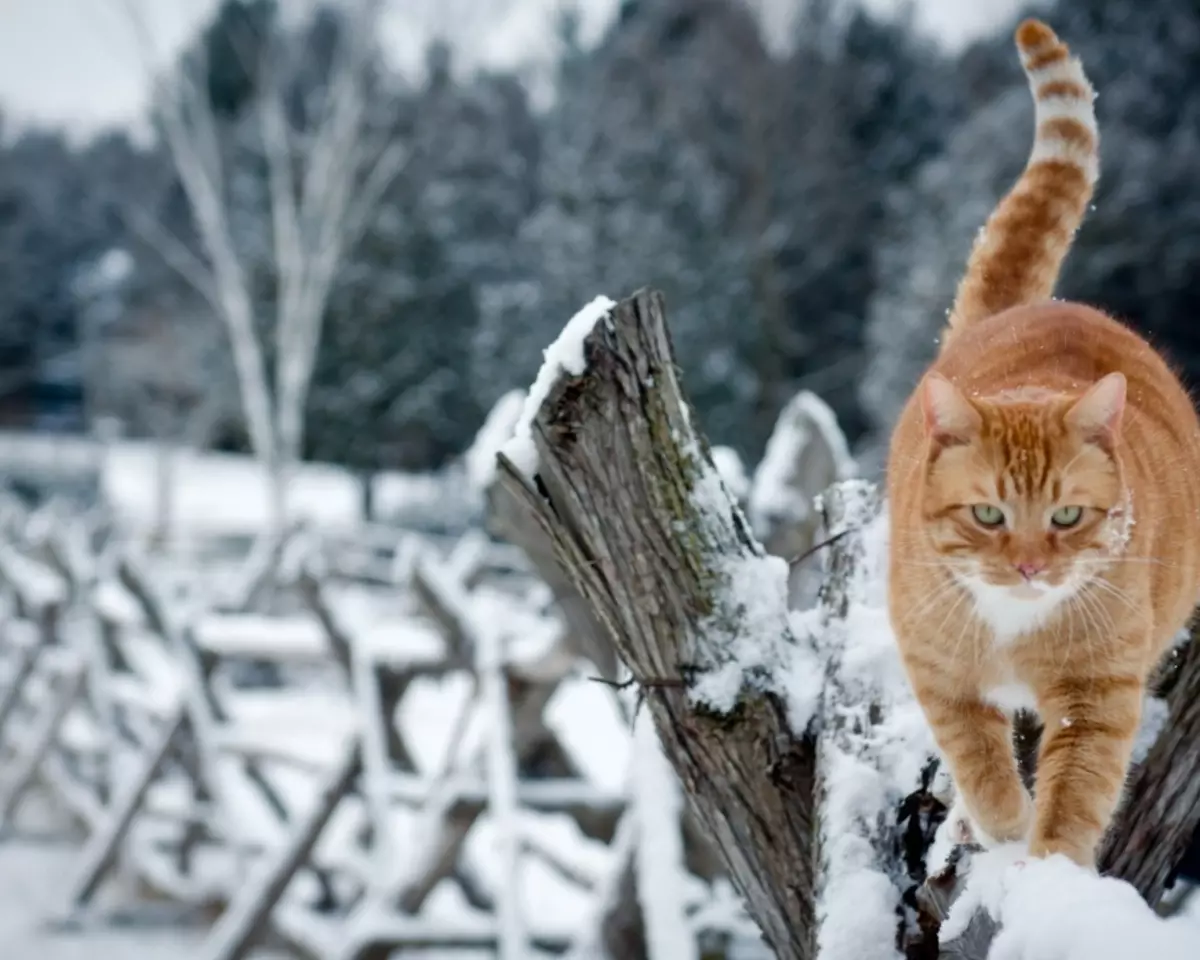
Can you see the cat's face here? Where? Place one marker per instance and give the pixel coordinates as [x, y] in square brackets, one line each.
[1023, 494]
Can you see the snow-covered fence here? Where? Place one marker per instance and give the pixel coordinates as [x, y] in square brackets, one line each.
[315, 811]
[796, 738]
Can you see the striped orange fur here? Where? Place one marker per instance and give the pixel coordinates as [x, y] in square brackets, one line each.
[1044, 503]
[1017, 256]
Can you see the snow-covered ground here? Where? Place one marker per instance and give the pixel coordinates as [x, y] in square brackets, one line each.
[214, 494]
[32, 875]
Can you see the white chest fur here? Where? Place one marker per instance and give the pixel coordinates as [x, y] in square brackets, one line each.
[1011, 613]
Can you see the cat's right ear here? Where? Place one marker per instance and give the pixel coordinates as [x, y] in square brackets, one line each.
[950, 418]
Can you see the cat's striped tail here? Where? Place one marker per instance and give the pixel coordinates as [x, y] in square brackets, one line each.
[1017, 256]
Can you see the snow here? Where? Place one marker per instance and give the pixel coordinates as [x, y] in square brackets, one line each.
[252, 636]
[400, 495]
[224, 494]
[31, 881]
[806, 452]
[732, 471]
[659, 857]
[38, 583]
[312, 723]
[399, 641]
[749, 640]
[216, 494]
[1049, 910]
[1155, 711]
[502, 792]
[497, 429]
[872, 764]
[588, 945]
[112, 600]
[1052, 909]
[564, 356]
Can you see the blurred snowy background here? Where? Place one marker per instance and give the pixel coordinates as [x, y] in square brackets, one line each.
[269, 261]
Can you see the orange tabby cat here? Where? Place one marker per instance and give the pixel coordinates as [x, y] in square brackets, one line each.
[1044, 491]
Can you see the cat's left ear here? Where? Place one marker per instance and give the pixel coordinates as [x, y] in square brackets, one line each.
[1097, 414]
[950, 418]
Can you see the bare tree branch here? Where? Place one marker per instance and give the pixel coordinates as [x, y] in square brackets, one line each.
[189, 128]
[314, 218]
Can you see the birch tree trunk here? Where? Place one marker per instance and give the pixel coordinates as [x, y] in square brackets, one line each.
[315, 218]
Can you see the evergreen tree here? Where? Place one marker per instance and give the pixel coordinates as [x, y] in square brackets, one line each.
[643, 170]
[234, 46]
[1138, 252]
[680, 154]
[389, 390]
[472, 181]
[923, 250]
[57, 211]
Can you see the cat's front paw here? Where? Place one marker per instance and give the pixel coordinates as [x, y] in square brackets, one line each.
[959, 828]
[1005, 826]
[955, 831]
[1080, 849]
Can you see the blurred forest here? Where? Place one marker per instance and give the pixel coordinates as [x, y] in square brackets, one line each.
[806, 213]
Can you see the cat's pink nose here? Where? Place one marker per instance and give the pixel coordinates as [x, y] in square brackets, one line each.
[1030, 568]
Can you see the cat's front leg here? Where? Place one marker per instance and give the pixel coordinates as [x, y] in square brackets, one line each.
[976, 740]
[1090, 725]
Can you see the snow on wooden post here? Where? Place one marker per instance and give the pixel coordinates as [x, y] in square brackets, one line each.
[865, 766]
[661, 873]
[806, 454]
[625, 489]
[501, 765]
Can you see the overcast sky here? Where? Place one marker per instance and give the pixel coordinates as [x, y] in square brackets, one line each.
[74, 62]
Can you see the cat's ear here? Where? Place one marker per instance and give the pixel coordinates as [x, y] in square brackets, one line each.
[1096, 416]
[950, 418]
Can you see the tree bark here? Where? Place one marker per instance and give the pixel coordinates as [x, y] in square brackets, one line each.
[625, 493]
[509, 517]
[1161, 812]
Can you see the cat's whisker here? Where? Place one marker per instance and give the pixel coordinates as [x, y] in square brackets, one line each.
[936, 564]
[1101, 619]
[1108, 625]
[1113, 591]
[933, 599]
[1105, 561]
[962, 598]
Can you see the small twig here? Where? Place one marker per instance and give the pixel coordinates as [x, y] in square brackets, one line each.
[652, 683]
[801, 557]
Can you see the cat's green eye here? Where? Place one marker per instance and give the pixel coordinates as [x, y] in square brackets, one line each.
[987, 515]
[1065, 517]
